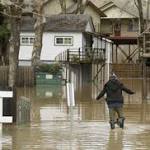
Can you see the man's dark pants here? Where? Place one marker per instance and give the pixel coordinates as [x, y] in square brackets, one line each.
[113, 109]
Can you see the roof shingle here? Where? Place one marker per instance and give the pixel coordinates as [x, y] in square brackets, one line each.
[68, 22]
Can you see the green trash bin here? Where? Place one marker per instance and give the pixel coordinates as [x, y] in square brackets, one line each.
[46, 91]
[48, 79]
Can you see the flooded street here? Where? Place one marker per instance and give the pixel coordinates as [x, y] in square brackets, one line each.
[54, 126]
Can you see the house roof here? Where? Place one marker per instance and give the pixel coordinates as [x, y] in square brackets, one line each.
[110, 4]
[27, 23]
[101, 13]
[68, 22]
[123, 40]
[106, 6]
[72, 8]
[63, 22]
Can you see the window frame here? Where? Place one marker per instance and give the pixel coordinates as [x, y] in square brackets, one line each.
[63, 41]
[133, 27]
[29, 39]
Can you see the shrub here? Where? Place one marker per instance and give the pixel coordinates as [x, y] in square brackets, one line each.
[49, 68]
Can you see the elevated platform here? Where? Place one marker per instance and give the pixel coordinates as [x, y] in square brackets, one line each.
[88, 55]
[119, 40]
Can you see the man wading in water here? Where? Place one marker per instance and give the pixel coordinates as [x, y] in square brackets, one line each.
[114, 98]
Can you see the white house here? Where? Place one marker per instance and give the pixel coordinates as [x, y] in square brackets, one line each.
[61, 32]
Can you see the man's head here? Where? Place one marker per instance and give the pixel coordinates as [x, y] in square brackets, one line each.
[113, 76]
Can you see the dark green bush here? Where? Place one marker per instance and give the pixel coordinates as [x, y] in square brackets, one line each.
[49, 68]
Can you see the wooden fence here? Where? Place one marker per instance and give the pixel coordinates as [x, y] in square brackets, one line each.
[25, 76]
[127, 70]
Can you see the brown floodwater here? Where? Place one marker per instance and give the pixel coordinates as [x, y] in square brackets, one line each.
[55, 126]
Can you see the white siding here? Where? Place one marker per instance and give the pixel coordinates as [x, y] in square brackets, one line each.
[105, 44]
[89, 28]
[95, 17]
[49, 49]
[25, 52]
[99, 43]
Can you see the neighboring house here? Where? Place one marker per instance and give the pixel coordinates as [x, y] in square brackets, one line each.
[53, 8]
[61, 32]
[118, 22]
[92, 10]
[122, 28]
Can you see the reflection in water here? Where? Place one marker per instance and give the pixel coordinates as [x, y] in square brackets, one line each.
[54, 126]
[115, 139]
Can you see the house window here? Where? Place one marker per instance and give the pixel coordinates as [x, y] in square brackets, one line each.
[117, 28]
[133, 26]
[25, 40]
[59, 41]
[64, 40]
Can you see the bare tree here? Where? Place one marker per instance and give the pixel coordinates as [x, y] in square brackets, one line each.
[81, 4]
[4, 37]
[15, 13]
[138, 4]
[38, 6]
[63, 6]
[38, 27]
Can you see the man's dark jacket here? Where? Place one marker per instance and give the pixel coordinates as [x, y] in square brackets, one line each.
[113, 88]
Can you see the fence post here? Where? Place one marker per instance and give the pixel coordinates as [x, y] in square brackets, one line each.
[68, 55]
[79, 53]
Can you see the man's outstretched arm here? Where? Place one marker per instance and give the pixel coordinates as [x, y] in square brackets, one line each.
[101, 94]
[127, 90]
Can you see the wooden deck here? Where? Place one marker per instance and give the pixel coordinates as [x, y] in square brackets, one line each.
[89, 55]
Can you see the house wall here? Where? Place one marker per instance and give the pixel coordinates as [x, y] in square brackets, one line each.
[107, 27]
[49, 49]
[114, 15]
[95, 17]
[25, 52]
[125, 28]
[107, 45]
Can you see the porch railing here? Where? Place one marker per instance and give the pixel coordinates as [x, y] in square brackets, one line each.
[81, 56]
